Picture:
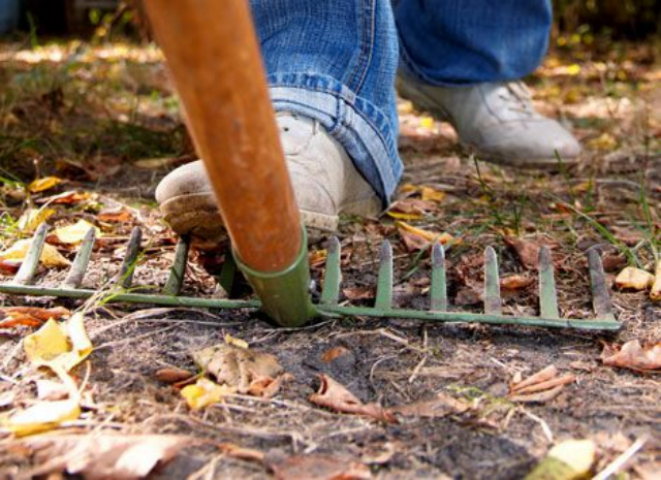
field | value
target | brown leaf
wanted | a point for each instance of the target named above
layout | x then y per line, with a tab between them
104	456
333	353
441	406
358	293
10	267
116	215
540	387
515	282
67	198
237	367
633	356
30	316
242	453
320	467
634	279
526	250
267	387
333	395
173	375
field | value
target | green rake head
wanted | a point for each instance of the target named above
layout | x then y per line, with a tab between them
276	291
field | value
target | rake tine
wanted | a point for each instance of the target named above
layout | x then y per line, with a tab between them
493	304
176	278
128	265
79	268
548	297
333	276
439	294
601	301
30	264
384	282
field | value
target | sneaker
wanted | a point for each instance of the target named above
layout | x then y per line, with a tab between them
497	120
324	179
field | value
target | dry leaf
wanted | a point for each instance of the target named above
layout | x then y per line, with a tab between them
117	215
30	316
237	367
403	216
41	417
50	257
320	467
237	342
104	456
267	387
204	393
429	194
540	387
317	258
633	356
67	198
634	279
655	293
527	251
441	406
241	452
43	184
335	396
333	353
72	234
59	347
173	375
515	282
569	460
33	217
358	293
429	237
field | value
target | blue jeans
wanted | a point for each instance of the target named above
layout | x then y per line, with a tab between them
335	61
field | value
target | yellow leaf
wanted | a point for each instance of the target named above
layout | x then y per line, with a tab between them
569	460
237	342
655	293
443	238
429	194
59	347
634	278
573	69
43	184
427	122
33	217
603	142
75	233
50	257
409	187
404	216
42	416
204	393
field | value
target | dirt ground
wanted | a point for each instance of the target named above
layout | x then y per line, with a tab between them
104	120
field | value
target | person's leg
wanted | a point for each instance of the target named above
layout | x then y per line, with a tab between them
458	59
331	69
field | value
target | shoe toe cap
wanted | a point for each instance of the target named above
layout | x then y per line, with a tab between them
185	180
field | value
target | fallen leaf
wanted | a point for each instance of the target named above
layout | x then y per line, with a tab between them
237	367
317	258
569	460
154	163
30	316
72	234
173	375
333	353
527	251
634	279
42	416
441	406
358	293
633	356
241	452
59	347
117	215
104	456
320	467
267	387
403	216
605	141
427	236
66	198
50	257
540	387
50	390
515	282
334	396
237	342
429	194
204	393
43	184
655	292
33	217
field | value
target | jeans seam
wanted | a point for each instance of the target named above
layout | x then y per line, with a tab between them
368	14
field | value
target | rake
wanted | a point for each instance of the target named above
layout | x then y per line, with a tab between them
214	59
329	301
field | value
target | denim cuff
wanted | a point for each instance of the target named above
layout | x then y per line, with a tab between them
361	128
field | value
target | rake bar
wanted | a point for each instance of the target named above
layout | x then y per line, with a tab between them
329	305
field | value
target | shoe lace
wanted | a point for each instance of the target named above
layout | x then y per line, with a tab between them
518	98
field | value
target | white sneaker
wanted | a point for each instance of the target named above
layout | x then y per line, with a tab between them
498	120
323	176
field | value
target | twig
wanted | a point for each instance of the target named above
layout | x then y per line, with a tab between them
613	467
542	423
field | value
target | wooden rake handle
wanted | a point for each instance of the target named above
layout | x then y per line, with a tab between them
214	58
